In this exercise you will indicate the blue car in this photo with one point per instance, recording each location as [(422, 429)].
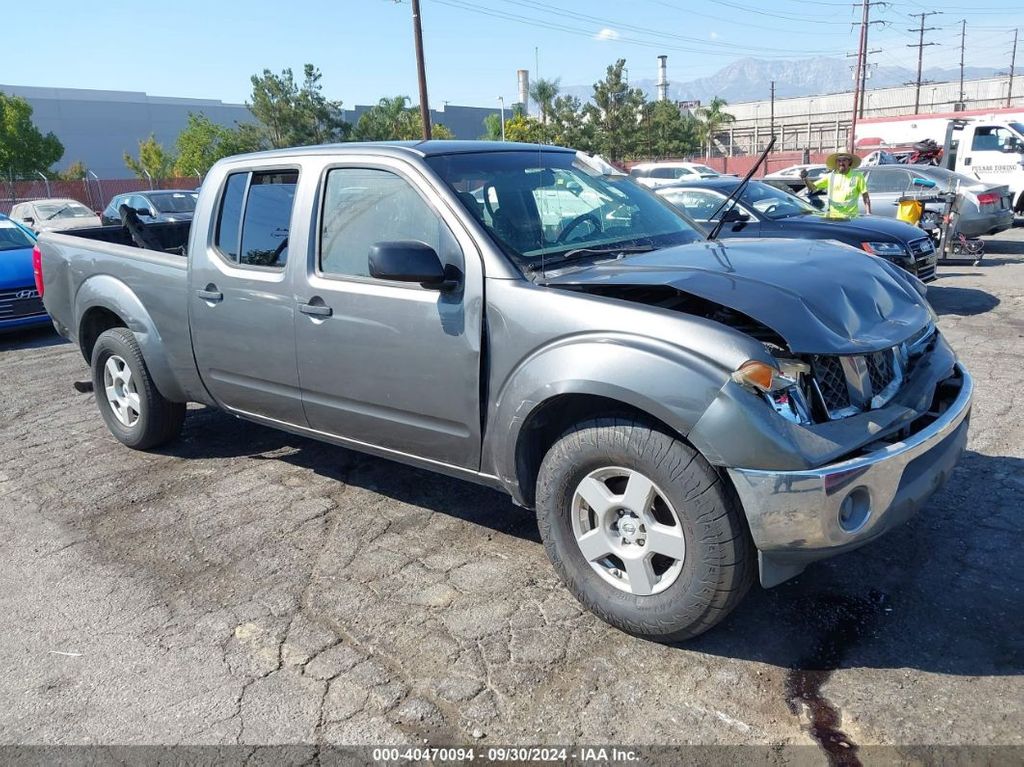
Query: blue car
[(20, 304)]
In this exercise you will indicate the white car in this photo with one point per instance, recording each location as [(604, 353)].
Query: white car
[(54, 215), (655, 174)]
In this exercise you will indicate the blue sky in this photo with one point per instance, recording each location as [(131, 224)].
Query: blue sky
[(473, 47)]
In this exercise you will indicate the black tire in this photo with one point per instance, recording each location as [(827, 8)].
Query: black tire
[(718, 566), (157, 420)]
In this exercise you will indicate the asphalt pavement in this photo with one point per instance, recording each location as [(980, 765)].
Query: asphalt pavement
[(248, 586)]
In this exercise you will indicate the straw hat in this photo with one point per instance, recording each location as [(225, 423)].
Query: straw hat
[(830, 161)]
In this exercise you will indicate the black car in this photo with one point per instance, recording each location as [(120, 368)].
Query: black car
[(765, 211), (154, 206)]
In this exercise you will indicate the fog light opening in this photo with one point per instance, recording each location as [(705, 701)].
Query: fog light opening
[(855, 510)]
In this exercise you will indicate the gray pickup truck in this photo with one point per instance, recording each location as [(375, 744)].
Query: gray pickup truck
[(675, 409)]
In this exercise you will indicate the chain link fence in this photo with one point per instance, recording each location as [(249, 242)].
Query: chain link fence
[(94, 193)]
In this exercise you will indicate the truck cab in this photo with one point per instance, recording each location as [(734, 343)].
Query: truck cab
[(989, 150)]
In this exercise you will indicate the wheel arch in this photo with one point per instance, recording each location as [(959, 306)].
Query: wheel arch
[(550, 419), (104, 302)]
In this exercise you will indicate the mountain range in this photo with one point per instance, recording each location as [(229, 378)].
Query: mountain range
[(750, 79)]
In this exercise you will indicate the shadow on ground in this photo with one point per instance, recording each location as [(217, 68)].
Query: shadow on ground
[(941, 594), (965, 302), (33, 338)]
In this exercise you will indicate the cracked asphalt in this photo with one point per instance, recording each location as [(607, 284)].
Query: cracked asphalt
[(249, 586)]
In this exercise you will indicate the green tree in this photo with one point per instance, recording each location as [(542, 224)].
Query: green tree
[(712, 119), (203, 142), (669, 133), (153, 158), (392, 119), (24, 150), (568, 127), (615, 114), (74, 172), (294, 114), (525, 129), (492, 127), (543, 92)]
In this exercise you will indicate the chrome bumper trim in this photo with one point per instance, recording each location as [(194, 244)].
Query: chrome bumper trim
[(794, 516)]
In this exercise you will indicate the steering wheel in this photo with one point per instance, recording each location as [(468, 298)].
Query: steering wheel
[(563, 235), (770, 209)]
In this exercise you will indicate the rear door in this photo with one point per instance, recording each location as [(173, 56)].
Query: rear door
[(389, 364), (885, 186), (241, 306)]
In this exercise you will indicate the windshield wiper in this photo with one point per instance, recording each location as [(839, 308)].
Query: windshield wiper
[(575, 253), (56, 213), (734, 196)]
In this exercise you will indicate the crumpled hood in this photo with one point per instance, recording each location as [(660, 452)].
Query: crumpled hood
[(822, 298)]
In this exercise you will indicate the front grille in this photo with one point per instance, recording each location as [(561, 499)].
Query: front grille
[(880, 369), (828, 372), (925, 272), (853, 384), (921, 248), (24, 302)]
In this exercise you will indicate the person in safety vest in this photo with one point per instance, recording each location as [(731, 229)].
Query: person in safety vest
[(843, 185)]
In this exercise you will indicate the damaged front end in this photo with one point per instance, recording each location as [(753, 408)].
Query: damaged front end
[(855, 414)]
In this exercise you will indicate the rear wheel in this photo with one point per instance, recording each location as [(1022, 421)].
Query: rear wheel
[(134, 411), (642, 530)]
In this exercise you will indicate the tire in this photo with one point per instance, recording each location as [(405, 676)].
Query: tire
[(134, 411), (687, 512)]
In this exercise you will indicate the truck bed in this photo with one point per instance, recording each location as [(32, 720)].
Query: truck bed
[(101, 269)]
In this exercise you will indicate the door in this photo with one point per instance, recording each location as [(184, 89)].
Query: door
[(994, 156), (241, 303), (885, 187), (389, 364)]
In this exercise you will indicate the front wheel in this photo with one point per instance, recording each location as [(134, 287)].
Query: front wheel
[(642, 530), (134, 411)]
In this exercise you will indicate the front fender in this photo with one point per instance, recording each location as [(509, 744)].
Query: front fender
[(110, 293), (669, 383)]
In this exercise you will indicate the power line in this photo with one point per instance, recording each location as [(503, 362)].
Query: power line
[(921, 44)]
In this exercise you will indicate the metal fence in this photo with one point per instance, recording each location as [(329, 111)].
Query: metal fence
[(94, 193)]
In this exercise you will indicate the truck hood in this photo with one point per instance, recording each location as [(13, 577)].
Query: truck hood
[(822, 298)]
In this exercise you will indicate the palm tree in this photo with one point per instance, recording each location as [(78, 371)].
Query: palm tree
[(712, 118), (543, 92)]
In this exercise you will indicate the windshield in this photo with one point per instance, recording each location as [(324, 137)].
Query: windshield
[(13, 237), (540, 206), (62, 209), (174, 202), (704, 169), (773, 203)]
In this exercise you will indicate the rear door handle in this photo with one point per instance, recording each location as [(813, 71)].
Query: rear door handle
[(210, 294), (316, 310)]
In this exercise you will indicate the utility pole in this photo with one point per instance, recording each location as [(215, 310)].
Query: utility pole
[(860, 71), (421, 70), (963, 38), (860, 63), (1013, 63), (920, 54)]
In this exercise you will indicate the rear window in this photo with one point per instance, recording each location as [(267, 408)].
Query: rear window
[(174, 202)]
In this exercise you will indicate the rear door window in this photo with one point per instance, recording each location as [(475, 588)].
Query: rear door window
[(888, 181), (255, 217)]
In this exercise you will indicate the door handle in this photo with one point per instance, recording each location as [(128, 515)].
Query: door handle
[(210, 294), (316, 310)]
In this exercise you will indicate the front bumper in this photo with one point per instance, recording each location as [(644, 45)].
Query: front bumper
[(798, 517)]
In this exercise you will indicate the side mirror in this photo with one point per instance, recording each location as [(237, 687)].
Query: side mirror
[(144, 212), (408, 261), (29, 220), (735, 215), (927, 183)]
